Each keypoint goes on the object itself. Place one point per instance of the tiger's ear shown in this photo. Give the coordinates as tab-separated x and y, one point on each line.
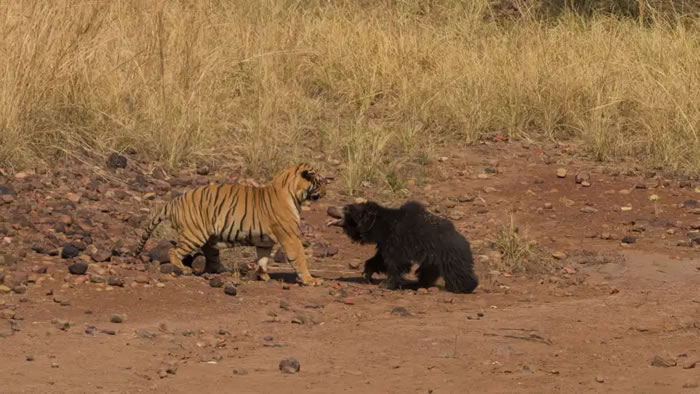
308	175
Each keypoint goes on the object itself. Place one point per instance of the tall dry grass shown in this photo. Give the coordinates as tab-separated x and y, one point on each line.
375	84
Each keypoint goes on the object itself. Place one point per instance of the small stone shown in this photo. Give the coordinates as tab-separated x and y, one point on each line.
69	251
73	197
4	289
240	371
216	282
162	373
692	363
400	311
284	305
29	357
160	252
664	362
116	161
588	209
203	170
199	265
586	184
548	205
600	379
289	366
168	268
143	279
582	177
629	240
62	325
354	265
7	190
117	318
97	278
559	255
115	280
335	212
230	289
561	172
691	385
54	365
78	268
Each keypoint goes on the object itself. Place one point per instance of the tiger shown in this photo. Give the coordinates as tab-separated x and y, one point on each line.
224	215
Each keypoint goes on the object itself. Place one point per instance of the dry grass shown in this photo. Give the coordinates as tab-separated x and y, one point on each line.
259	83
518	254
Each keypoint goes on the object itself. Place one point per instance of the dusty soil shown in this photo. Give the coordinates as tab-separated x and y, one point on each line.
611	316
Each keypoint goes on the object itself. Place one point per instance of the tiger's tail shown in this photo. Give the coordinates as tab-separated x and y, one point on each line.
161	215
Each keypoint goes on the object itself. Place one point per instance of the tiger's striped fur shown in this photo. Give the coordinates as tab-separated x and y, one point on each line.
235	214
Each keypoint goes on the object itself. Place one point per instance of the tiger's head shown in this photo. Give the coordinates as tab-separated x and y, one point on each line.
303	182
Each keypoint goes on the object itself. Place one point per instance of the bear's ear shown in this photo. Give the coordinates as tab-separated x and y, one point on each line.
308	175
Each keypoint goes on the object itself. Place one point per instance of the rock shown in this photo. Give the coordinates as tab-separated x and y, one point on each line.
600	379
401	311
240	371
216	282
354	265
664	362
100	255
94	278
143	279
78	268
692	363
168	268
116	161
230	289
691	385
115	280
561	172
586	184
162	373
117	318
629	240
690	204
7	190
19	289
160	252
559	255
69	251
582	177
290	366
29	357
588	209
62	325
335	212
203	170
199	265
548	205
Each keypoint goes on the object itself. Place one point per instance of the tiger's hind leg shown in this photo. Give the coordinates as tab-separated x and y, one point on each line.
263	255
176	254
212	254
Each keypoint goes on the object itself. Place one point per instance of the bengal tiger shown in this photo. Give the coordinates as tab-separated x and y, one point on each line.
225	215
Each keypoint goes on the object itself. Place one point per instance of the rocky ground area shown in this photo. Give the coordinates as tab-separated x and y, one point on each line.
604	299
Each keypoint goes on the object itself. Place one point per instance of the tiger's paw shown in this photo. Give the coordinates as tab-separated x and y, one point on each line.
311	281
264	276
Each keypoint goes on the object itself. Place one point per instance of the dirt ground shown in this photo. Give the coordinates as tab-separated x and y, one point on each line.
612	316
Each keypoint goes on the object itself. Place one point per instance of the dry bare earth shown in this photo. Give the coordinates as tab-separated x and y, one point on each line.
595	323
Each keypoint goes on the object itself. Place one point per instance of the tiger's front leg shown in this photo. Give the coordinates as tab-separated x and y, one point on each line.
294	250
263	255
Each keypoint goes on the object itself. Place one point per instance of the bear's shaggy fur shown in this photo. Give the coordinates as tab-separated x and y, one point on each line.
411	234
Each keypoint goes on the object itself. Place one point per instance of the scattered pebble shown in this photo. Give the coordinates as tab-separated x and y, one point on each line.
600	379
116	161
117	318
216	282
69	251
230	289
289	365
629	240
115	280
561	172
401	311
665	362
78	268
